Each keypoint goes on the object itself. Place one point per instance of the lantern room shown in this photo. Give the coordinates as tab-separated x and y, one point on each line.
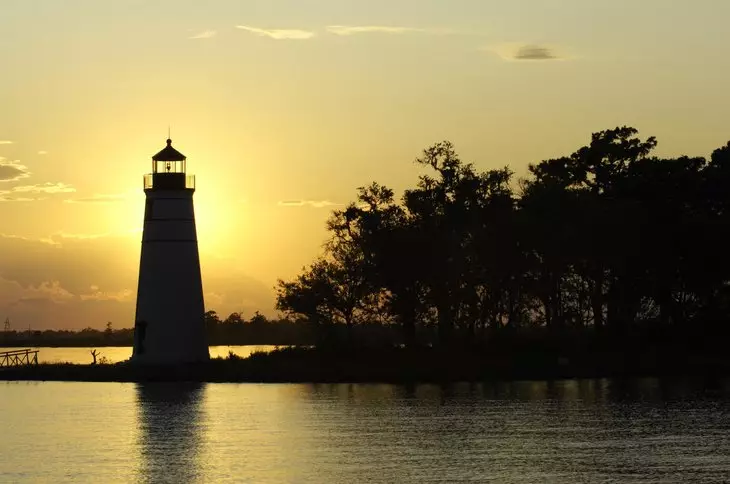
168	171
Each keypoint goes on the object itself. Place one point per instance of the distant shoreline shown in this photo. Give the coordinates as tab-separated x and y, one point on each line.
300	365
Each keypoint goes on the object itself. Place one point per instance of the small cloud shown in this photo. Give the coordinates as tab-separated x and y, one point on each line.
369	29
205	34
99	198
42	152
526	52
45	240
214	299
5	142
51	290
97	295
534	52
310	203
4	198
43	188
65	235
12	171
279	34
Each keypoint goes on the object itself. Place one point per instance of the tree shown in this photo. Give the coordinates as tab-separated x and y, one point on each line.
585	235
258	319
212	322
392	257
234	318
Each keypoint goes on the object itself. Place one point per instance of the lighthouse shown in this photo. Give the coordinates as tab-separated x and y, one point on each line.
169	323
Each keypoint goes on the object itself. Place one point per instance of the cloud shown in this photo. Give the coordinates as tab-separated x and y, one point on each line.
42	152
44	240
311	203
99	198
125	295
369	29
534	52
19	199
58	238
526	52
214	299
47	187
5	142
12	171
65	235
205	34
49	290
279	34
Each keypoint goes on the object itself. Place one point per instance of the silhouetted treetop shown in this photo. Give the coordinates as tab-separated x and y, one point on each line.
609	238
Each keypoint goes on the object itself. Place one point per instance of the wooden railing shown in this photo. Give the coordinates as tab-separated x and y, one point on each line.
18	358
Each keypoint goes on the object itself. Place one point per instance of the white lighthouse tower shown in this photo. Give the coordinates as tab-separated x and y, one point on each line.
169	323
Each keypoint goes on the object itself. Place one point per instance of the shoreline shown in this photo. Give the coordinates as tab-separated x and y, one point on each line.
395	366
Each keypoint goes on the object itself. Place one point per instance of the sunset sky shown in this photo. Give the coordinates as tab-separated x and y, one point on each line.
285	107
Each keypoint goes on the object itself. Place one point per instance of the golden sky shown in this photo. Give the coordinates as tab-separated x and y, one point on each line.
285	107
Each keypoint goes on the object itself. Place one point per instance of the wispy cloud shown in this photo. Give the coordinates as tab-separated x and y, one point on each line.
205	34
59	239
97	295
214	299
42	152
5	142
12	170
279	34
4	198
99	198
527	52
45	240
66	235
43	188
371	29
309	203
11	194
51	290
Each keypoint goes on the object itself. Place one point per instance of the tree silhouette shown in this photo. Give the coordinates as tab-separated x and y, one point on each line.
610	242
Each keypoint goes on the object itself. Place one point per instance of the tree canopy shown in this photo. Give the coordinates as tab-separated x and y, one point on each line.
610	239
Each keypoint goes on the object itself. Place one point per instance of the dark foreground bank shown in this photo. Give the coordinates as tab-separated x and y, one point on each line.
394	365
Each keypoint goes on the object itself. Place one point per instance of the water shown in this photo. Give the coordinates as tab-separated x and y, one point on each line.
590	431
115	354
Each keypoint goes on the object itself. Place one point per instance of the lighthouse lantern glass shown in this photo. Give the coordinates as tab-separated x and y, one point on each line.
163	166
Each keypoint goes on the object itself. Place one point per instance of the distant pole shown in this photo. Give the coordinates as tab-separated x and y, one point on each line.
7	325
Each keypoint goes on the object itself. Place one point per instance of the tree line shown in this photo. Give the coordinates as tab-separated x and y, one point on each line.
610	241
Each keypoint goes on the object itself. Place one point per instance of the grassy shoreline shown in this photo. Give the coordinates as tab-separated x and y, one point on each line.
394	365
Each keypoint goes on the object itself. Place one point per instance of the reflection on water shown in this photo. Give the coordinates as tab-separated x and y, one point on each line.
576	431
170	437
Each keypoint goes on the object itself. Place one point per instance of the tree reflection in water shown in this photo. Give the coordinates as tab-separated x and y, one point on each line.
171	424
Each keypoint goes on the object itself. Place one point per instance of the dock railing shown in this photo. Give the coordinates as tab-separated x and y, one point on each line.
18	358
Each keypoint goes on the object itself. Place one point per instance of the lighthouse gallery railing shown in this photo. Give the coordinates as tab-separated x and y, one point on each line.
149	181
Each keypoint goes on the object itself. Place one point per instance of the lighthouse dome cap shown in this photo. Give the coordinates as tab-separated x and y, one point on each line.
169	153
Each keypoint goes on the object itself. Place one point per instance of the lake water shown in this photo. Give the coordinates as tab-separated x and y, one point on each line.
588	431
115	354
